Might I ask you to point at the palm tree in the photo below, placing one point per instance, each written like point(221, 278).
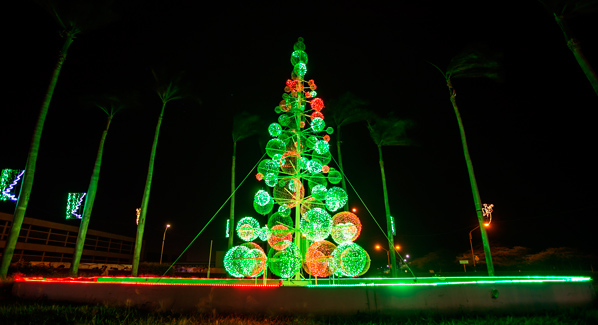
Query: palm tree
point(389, 131)
point(111, 109)
point(345, 110)
point(564, 10)
point(167, 92)
point(72, 19)
point(471, 64)
point(244, 126)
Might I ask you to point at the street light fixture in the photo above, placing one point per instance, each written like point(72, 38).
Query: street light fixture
point(397, 247)
point(163, 239)
point(487, 212)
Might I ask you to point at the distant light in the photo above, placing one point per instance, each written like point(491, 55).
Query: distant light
point(407, 256)
point(398, 247)
point(377, 246)
point(354, 210)
point(167, 226)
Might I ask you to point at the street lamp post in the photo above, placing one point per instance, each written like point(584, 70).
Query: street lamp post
point(388, 255)
point(163, 239)
point(487, 213)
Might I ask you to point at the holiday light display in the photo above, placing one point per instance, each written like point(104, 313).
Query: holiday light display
point(73, 205)
point(297, 178)
point(8, 180)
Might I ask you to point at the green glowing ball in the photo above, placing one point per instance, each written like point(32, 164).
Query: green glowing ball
point(346, 227)
point(313, 93)
point(278, 218)
point(283, 119)
point(274, 129)
point(248, 228)
point(230, 260)
point(271, 179)
point(274, 147)
point(284, 210)
point(298, 56)
point(319, 192)
point(262, 198)
point(324, 158)
point(277, 159)
point(264, 233)
point(316, 224)
point(318, 125)
point(334, 176)
point(314, 166)
point(247, 260)
point(277, 110)
point(322, 147)
point(285, 263)
point(329, 130)
point(268, 166)
point(299, 45)
point(311, 141)
point(263, 209)
point(300, 69)
point(336, 198)
point(352, 260)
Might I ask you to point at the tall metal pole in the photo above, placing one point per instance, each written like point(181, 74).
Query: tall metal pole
point(163, 239)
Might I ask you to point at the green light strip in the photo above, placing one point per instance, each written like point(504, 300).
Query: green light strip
point(522, 280)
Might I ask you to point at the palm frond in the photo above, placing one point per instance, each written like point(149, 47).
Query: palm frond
point(245, 125)
point(390, 131)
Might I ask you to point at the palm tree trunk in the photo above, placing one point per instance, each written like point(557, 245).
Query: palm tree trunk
point(340, 161)
point(231, 223)
point(391, 245)
point(90, 198)
point(25, 191)
point(146, 196)
point(574, 46)
point(474, 185)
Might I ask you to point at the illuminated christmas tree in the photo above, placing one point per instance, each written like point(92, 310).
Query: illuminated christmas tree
point(304, 192)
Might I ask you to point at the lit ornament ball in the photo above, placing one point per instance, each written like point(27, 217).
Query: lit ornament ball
point(263, 209)
point(319, 192)
point(317, 104)
point(230, 260)
point(322, 147)
point(271, 179)
point(314, 166)
point(290, 162)
point(274, 129)
point(280, 236)
point(298, 56)
point(285, 263)
point(311, 141)
point(288, 192)
point(318, 124)
point(346, 227)
point(300, 69)
point(278, 218)
point(310, 203)
point(275, 146)
point(318, 259)
point(316, 224)
point(262, 198)
point(334, 176)
point(247, 260)
point(352, 260)
point(264, 233)
point(268, 166)
point(248, 228)
point(336, 198)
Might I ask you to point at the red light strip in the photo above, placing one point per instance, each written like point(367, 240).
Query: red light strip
point(94, 281)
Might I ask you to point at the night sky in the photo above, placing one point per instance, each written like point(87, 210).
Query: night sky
point(530, 134)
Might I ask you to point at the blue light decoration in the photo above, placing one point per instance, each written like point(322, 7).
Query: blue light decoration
point(73, 205)
point(8, 180)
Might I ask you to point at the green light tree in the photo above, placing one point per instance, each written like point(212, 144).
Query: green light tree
point(244, 126)
point(167, 91)
point(110, 109)
point(73, 18)
point(389, 131)
point(471, 63)
point(297, 170)
point(346, 110)
point(563, 11)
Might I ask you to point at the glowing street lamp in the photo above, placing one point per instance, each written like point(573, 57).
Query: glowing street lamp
point(487, 211)
point(163, 239)
point(397, 247)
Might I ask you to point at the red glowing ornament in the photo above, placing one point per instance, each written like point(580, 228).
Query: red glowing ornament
point(259, 176)
point(327, 138)
point(308, 94)
point(317, 104)
point(325, 168)
point(302, 124)
point(316, 114)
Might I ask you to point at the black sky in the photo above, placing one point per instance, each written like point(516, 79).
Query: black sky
point(530, 136)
